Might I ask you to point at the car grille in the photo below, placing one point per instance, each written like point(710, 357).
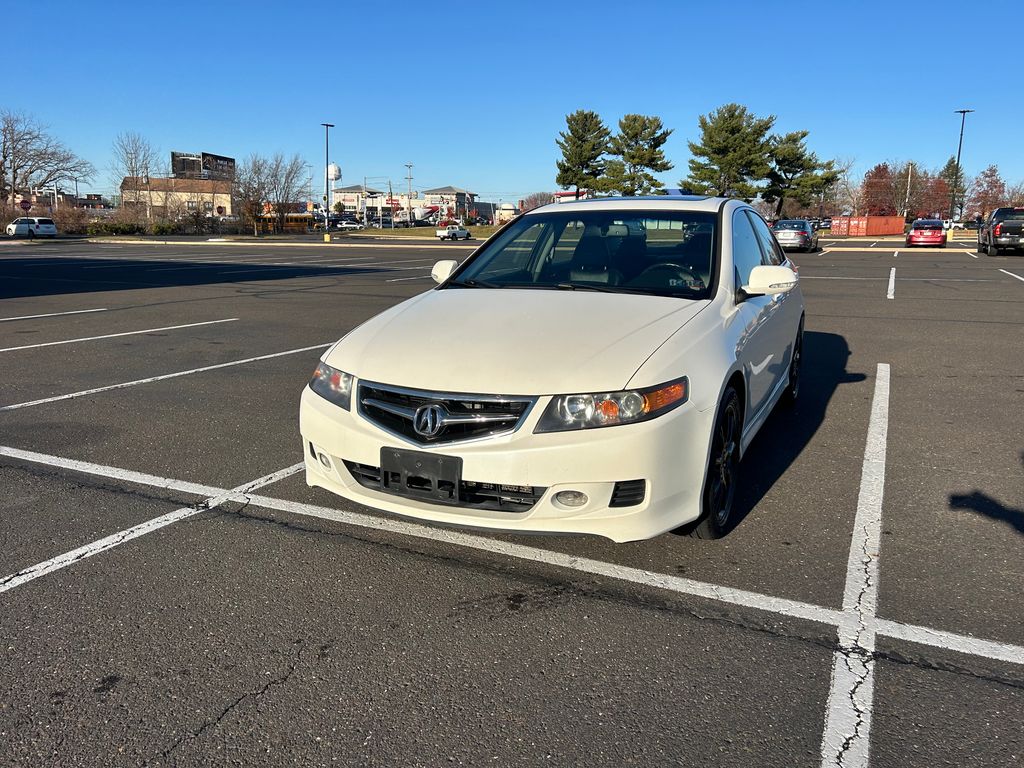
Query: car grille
point(491, 496)
point(452, 417)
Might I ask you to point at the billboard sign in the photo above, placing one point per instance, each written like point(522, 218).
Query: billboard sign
point(218, 166)
point(186, 165)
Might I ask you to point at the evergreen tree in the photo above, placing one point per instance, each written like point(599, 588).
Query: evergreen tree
point(796, 171)
point(732, 155)
point(957, 184)
point(638, 151)
point(583, 147)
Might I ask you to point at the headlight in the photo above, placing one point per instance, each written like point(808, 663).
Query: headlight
point(333, 385)
point(606, 409)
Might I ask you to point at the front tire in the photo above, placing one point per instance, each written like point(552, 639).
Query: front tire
point(792, 390)
point(723, 470)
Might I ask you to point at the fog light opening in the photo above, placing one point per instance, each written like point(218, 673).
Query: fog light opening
point(571, 498)
point(324, 460)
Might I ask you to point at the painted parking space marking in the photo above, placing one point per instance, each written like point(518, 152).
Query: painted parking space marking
point(891, 292)
point(115, 539)
point(52, 314)
point(118, 335)
point(1012, 274)
point(1013, 654)
point(162, 377)
point(846, 738)
point(403, 279)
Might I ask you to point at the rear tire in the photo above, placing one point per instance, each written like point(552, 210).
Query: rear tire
point(992, 250)
point(723, 470)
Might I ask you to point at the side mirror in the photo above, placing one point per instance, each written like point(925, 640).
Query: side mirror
point(443, 270)
point(768, 280)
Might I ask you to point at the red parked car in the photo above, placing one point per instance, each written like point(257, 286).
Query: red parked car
point(926, 232)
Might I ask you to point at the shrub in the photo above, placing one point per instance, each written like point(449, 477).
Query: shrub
point(71, 221)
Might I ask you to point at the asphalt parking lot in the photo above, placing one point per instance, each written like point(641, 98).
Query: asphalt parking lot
point(172, 593)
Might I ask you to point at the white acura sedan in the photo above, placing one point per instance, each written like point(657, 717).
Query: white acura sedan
point(595, 367)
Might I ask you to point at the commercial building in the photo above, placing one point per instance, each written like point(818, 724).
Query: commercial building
point(173, 197)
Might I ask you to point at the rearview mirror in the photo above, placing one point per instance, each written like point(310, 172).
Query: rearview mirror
point(443, 269)
point(768, 280)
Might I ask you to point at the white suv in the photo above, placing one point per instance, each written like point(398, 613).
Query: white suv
point(32, 227)
point(595, 367)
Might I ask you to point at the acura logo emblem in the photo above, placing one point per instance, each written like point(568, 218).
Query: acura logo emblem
point(429, 420)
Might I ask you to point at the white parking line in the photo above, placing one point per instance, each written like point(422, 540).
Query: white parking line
point(895, 254)
point(891, 293)
point(51, 314)
point(846, 738)
point(873, 245)
point(109, 542)
point(1011, 274)
point(402, 279)
point(1013, 654)
point(116, 335)
point(151, 379)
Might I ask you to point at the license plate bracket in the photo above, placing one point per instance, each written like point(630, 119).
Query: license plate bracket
point(420, 475)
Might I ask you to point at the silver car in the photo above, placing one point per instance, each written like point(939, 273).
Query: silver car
point(796, 233)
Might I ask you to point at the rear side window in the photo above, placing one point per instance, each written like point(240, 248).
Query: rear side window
point(45, 221)
point(1009, 213)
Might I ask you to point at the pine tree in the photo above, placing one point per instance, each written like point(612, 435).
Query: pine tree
point(583, 147)
point(734, 147)
point(638, 150)
point(796, 171)
point(956, 182)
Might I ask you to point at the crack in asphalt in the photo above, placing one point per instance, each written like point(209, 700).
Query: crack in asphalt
point(298, 646)
point(612, 594)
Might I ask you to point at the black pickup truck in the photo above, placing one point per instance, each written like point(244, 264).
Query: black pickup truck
point(1004, 228)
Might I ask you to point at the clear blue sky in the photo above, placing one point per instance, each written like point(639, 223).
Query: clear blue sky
point(475, 94)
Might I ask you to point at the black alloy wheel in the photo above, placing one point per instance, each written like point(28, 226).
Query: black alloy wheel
point(723, 470)
point(792, 391)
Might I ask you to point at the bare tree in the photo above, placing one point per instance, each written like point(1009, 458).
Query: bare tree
point(135, 160)
point(1015, 194)
point(285, 181)
point(251, 190)
point(535, 200)
point(31, 157)
point(848, 191)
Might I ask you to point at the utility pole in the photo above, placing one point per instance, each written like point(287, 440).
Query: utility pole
point(906, 200)
point(408, 199)
point(956, 178)
point(391, 203)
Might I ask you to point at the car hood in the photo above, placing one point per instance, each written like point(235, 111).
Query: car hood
point(512, 342)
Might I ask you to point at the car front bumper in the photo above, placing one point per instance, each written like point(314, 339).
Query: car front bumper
point(668, 453)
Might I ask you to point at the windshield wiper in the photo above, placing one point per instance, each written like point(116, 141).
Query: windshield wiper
point(577, 287)
point(474, 284)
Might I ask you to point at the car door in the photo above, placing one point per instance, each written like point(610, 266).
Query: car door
point(755, 349)
point(785, 309)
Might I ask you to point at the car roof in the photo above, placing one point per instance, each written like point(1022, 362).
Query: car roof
point(649, 203)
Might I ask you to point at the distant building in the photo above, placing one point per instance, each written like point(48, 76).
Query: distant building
point(451, 201)
point(174, 197)
point(569, 196)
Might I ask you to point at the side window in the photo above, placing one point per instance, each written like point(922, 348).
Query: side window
point(746, 251)
point(517, 254)
point(771, 252)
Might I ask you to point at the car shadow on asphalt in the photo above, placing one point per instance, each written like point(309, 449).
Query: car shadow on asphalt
point(22, 278)
point(789, 429)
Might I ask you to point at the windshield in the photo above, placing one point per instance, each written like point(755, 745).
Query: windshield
point(1009, 214)
point(662, 253)
point(791, 225)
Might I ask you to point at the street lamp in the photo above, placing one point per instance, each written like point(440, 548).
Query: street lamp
point(327, 162)
point(956, 178)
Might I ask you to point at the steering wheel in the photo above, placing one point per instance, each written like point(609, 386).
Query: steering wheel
point(685, 273)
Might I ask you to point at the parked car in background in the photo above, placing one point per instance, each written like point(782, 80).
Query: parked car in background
point(452, 232)
point(952, 224)
point(1004, 228)
point(796, 233)
point(30, 226)
point(604, 364)
point(826, 223)
point(349, 225)
point(927, 232)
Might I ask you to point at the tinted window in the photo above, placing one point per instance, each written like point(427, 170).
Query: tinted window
point(746, 251)
point(791, 224)
point(44, 221)
point(1009, 213)
point(772, 253)
point(665, 253)
point(927, 224)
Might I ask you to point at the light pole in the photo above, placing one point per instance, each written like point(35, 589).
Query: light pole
point(327, 172)
point(956, 178)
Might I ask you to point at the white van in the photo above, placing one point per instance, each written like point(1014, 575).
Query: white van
point(28, 226)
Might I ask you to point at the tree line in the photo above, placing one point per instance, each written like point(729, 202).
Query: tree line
point(735, 156)
point(32, 158)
